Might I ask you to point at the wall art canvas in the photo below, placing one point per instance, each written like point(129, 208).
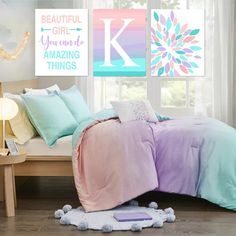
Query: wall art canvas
point(119, 42)
point(61, 42)
point(177, 43)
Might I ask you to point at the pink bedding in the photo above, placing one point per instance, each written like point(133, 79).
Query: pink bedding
point(113, 163)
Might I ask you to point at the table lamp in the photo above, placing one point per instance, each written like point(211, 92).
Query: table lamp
point(8, 110)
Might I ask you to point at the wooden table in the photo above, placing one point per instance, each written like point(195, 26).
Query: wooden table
point(8, 163)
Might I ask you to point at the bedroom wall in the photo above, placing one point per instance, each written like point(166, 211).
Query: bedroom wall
point(17, 17)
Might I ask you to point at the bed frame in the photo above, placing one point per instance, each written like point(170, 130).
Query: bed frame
point(38, 165)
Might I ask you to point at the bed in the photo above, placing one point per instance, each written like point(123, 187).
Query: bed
point(121, 153)
point(48, 162)
point(114, 162)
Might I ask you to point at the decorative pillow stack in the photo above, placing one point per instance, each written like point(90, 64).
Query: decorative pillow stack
point(50, 116)
point(56, 113)
point(20, 126)
point(134, 110)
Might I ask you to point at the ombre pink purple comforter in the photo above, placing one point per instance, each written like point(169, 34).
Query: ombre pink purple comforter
point(115, 162)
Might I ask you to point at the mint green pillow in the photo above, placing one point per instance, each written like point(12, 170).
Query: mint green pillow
point(75, 103)
point(50, 116)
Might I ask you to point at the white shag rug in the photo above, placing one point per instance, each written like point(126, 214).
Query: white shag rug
point(104, 220)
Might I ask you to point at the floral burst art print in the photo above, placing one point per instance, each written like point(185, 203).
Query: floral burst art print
point(177, 43)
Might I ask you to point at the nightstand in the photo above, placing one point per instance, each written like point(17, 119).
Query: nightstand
point(7, 163)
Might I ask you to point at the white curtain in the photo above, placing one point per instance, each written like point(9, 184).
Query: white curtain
point(203, 86)
point(223, 61)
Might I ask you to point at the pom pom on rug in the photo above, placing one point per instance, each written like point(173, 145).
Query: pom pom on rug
point(170, 218)
point(169, 210)
point(59, 213)
point(107, 228)
point(158, 223)
point(83, 226)
point(136, 227)
point(66, 208)
point(64, 221)
point(133, 203)
point(153, 205)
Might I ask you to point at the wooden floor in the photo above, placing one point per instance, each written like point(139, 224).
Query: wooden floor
point(39, 197)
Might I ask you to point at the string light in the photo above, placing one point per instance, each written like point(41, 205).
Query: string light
point(8, 56)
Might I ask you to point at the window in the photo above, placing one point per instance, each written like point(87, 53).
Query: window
point(173, 94)
point(170, 96)
point(178, 94)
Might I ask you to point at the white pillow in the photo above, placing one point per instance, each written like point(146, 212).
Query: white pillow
point(30, 91)
point(134, 110)
point(20, 124)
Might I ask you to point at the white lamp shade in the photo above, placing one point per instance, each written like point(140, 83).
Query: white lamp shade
point(8, 109)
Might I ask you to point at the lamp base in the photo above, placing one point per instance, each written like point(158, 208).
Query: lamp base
point(4, 151)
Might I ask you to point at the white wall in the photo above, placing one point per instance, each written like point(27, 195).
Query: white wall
point(18, 17)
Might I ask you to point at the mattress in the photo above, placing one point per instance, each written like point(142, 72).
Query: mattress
point(37, 147)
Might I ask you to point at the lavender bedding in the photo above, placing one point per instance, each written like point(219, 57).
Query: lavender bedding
point(115, 162)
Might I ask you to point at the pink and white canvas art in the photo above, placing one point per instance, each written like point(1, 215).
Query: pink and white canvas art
point(177, 43)
point(119, 42)
point(61, 42)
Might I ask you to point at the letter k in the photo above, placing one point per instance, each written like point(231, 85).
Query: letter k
point(108, 42)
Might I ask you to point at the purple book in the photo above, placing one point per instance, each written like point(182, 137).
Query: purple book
point(132, 216)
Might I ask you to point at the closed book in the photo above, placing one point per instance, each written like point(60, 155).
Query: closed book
point(131, 216)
